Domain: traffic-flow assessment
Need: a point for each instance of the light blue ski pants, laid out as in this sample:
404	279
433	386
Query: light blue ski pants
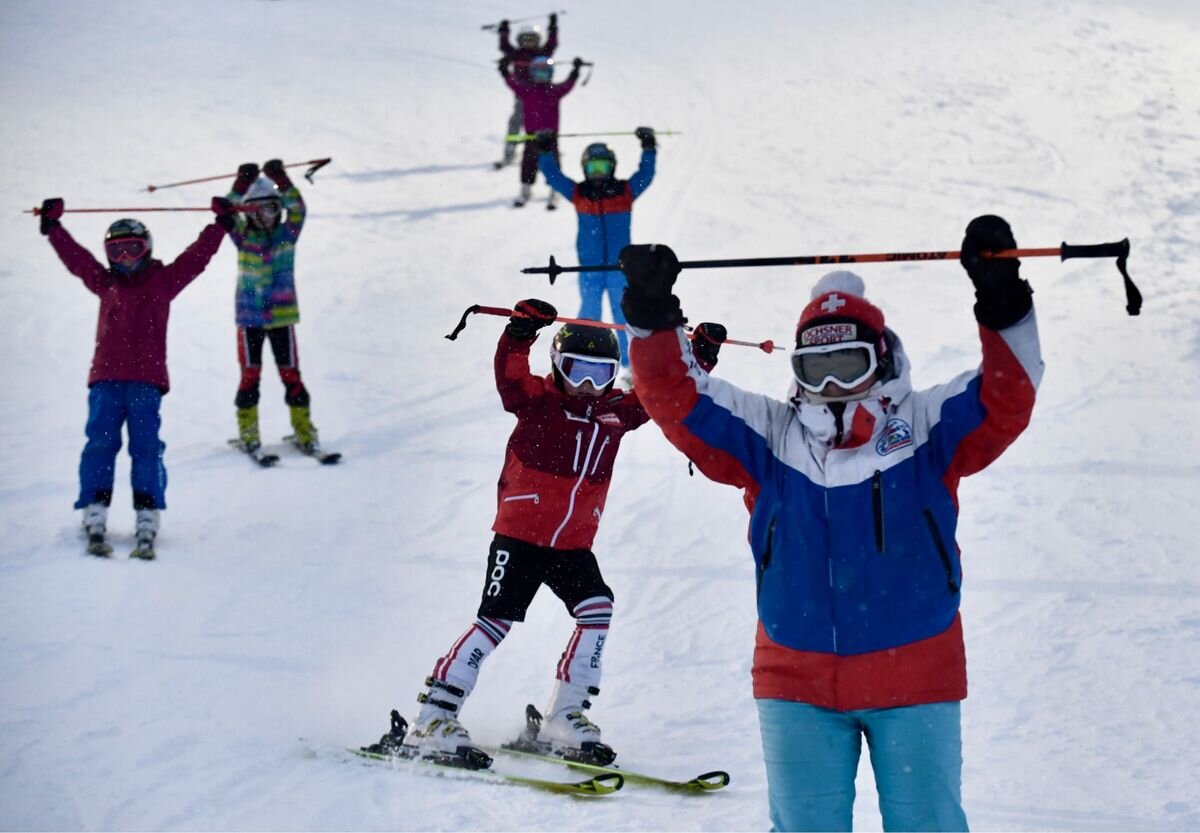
812	756
592	286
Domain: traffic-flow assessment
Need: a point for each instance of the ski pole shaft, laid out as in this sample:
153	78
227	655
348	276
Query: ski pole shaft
529	137
1066	251
36	212
316	164
765	346
491	27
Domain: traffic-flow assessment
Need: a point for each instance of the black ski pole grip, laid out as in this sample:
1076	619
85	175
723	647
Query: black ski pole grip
1119	250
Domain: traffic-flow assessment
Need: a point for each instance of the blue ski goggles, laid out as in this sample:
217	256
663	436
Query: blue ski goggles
578	369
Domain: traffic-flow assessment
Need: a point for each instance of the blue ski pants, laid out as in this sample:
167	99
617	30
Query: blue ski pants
111	405
592	286
812	754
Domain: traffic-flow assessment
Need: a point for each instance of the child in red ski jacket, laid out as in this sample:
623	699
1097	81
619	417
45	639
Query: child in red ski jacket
551	494
128	378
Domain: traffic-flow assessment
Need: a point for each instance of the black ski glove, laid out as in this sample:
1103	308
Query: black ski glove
246	175
52	210
553	20
1001	297
646	135
545	141
651	271
706	343
528	317
223	208
275	171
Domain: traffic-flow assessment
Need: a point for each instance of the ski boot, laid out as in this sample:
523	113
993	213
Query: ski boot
95	522
305	436
147	531
567	729
552	200
523	197
247	422
437	734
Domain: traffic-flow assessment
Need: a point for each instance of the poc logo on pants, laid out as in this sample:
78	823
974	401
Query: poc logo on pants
498	572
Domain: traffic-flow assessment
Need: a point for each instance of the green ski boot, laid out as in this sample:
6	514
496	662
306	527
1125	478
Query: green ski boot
305	436
247	420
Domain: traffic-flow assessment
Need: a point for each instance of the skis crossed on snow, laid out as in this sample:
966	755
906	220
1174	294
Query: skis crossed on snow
267	459
478	762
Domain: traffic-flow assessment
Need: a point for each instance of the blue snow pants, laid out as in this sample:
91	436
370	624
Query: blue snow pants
592	286
812	754
111	405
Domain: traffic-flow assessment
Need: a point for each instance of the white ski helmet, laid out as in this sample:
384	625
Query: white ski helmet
529	37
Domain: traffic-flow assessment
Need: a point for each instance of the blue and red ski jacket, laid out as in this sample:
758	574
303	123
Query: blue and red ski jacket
605	209
852	519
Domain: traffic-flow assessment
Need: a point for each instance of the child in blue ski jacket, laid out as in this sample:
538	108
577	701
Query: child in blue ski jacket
605	208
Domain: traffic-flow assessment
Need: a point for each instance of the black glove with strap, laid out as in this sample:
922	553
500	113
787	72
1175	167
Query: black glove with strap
1001	297
646	135
651	271
223	208
246	175
707	339
52	210
275	171
528	317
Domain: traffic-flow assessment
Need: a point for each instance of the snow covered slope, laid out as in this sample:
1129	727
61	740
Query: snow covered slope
305	602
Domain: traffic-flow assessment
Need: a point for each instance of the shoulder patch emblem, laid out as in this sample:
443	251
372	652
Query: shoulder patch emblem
896	435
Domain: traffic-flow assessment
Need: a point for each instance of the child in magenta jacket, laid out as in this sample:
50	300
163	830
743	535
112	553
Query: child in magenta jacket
129	366
539	98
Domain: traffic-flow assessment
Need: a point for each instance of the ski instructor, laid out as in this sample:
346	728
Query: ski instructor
852	487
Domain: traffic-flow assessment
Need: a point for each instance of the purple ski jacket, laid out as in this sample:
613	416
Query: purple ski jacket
541	101
131	332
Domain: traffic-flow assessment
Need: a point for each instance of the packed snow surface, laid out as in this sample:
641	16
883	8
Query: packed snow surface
291	608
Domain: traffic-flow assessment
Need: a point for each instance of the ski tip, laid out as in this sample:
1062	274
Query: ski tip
603	784
718	779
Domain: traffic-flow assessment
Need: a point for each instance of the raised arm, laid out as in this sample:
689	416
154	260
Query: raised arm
185	268
729	433
293	204
551	36
78	260
549	166
644	175
516	385
980	414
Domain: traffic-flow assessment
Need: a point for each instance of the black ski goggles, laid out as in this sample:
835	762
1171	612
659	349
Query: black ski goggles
847	364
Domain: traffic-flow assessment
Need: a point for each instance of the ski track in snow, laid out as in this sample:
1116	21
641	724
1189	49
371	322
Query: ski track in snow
290	609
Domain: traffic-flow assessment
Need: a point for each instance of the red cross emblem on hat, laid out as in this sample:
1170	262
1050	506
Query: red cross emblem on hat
833	303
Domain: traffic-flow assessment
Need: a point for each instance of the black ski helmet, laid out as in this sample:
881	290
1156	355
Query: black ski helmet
598	151
582	340
127	228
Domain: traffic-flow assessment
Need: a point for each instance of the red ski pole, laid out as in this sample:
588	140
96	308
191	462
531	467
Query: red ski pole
36	212
766	346
316	165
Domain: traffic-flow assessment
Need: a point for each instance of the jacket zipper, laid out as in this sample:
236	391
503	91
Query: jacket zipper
877	503
578	442
535	497
599	454
942	553
766	559
578	483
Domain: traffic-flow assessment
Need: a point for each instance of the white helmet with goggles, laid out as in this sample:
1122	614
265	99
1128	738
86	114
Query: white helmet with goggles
840	337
